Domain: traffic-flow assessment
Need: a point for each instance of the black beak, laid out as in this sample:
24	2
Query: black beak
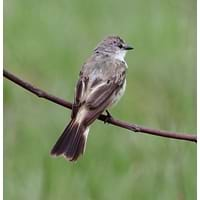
127	47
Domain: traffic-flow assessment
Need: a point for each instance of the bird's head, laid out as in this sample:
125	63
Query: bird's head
113	45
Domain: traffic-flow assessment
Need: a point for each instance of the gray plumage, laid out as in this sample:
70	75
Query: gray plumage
101	83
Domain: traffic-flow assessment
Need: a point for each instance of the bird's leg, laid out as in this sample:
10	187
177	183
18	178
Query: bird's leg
108	117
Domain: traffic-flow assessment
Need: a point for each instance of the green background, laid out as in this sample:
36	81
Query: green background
46	42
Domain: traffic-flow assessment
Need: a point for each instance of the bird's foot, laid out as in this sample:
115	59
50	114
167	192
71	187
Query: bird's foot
108	117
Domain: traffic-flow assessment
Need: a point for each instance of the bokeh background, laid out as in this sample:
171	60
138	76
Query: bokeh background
46	42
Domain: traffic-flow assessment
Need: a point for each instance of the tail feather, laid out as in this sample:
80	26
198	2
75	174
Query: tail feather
80	148
60	145
72	141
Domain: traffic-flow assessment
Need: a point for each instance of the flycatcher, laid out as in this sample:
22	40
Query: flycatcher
102	82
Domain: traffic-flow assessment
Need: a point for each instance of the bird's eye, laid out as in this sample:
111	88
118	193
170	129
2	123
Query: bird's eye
120	46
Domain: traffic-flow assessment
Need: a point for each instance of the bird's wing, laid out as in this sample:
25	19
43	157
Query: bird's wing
81	88
96	86
103	90
100	95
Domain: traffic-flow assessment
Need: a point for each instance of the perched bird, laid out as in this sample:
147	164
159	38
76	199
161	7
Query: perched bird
102	81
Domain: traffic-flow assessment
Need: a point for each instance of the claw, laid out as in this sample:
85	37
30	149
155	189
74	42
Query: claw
108	117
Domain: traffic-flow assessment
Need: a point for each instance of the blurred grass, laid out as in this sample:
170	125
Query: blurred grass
46	42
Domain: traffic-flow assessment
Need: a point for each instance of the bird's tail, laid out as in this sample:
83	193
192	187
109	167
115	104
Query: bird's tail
72	141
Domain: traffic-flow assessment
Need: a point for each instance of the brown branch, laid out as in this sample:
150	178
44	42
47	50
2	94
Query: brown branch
132	127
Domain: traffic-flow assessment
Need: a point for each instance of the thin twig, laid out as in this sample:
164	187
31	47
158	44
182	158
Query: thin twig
132	127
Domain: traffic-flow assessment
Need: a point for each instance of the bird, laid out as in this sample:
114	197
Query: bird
101	84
